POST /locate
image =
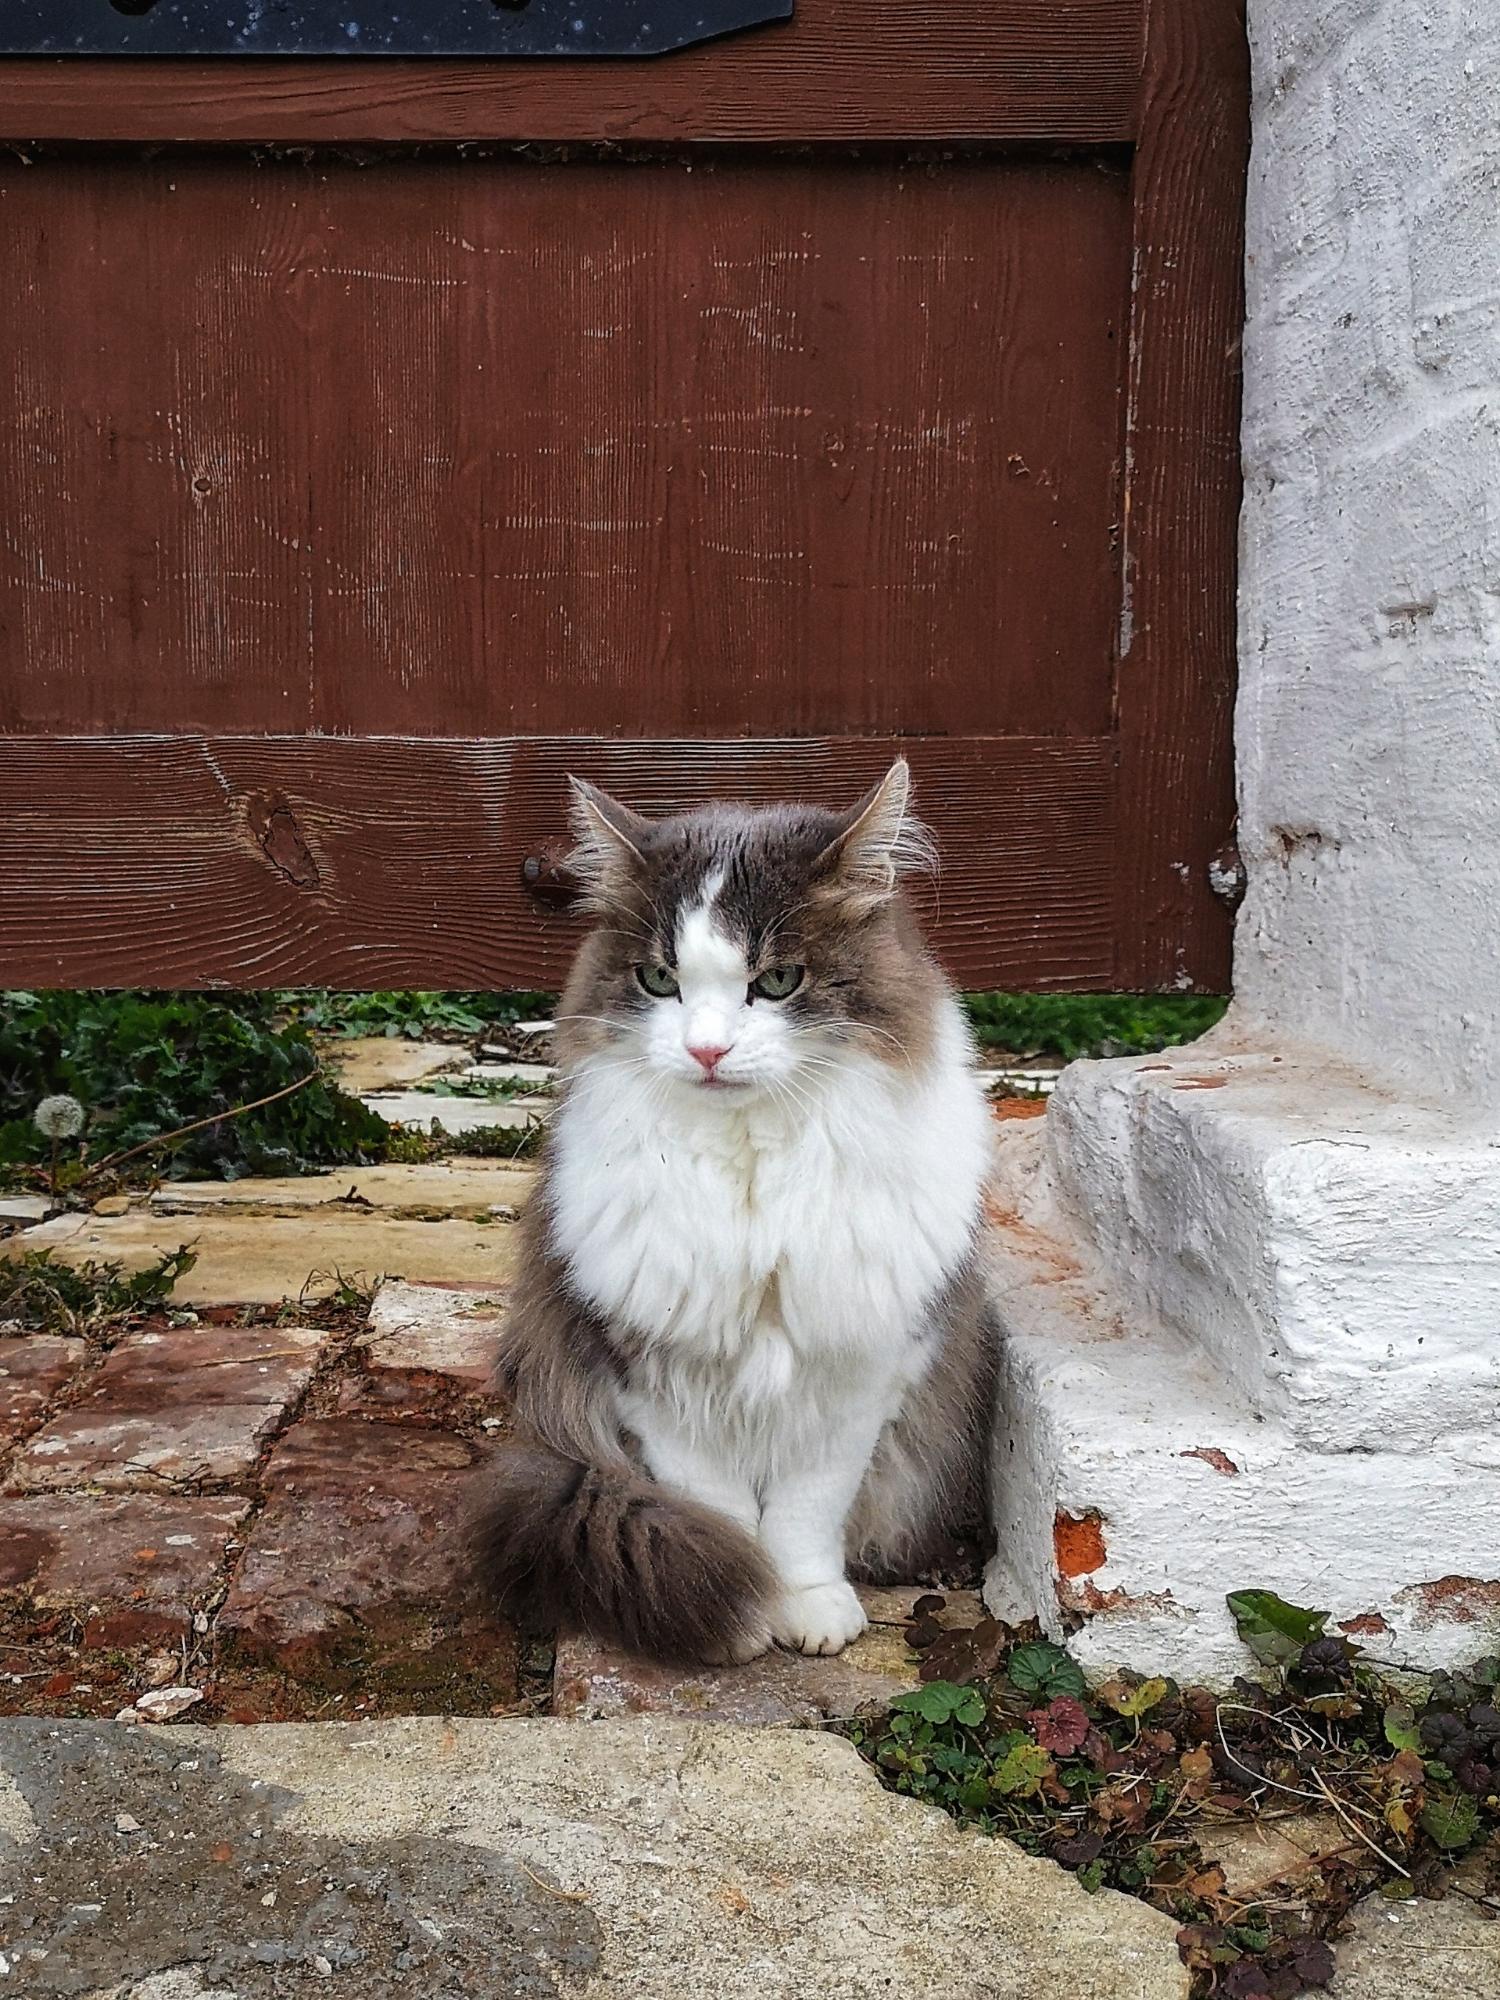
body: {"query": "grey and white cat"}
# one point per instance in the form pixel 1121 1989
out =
pixel 748 1338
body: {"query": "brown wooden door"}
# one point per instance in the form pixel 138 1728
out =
pixel 385 440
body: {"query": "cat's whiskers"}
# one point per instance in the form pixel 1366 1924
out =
pixel 604 1020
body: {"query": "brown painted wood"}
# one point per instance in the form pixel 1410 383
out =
pixel 1056 70
pixel 351 498
pixel 377 862
pixel 476 448
pixel 1175 679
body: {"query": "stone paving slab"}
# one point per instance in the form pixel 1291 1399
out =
pixel 33 1368
pixel 132 1568
pixel 470 1188
pixel 187 1407
pixel 593 1682
pixel 386 1062
pixel 506 1071
pixel 252 1259
pixel 435 1330
pixel 457 1114
pixel 24 1209
pixel 359 1558
pixel 509 1860
pixel 1419 1951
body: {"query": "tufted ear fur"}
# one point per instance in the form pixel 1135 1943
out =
pixel 879 841
pixel 607 839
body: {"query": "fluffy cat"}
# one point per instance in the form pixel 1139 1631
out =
pixel 748 1338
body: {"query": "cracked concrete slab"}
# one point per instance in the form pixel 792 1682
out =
pixel 651 1860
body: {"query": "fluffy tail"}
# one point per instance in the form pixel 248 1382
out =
pixel 604 1551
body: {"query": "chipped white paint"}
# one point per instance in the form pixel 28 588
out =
pixel 1251 1290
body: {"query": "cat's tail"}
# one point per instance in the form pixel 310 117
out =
pixel 603 1550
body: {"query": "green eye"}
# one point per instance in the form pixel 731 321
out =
pixel 777 982
pixel 660 981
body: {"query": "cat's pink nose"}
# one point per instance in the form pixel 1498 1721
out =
pixel 709 1058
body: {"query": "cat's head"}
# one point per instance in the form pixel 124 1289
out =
pixel 738 948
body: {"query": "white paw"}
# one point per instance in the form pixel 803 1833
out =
pixel 821 1618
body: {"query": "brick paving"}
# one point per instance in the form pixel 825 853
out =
pixel 259 1499
pixel 130 1571
pixel 32 1371
pixel 357 1562
pixel 185 1408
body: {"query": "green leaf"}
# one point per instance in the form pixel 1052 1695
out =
pixel 1451 1819
pixel 970 1711
pixel 1044 1669
pixel 1401 1730
pixel 940 1701
pixel 1022 1771
pixel 1135 1701
pixel 1274 1630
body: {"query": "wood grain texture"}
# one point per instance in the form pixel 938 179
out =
pixel 377 863
pixel 1063 70
pixel 1176 673
pixel 436 447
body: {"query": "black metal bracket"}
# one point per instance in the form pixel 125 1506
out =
pixel 373 27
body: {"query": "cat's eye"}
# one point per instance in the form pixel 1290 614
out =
pixel 660 981
pixel 777 982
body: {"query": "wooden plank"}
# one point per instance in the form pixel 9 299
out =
pixel 444 447
pixel 376 863
pixel 1063 70
pixel 1176 674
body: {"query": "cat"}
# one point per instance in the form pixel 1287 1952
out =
pixel 748 1350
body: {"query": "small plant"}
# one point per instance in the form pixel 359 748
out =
pixel 179 1066
pixel 57 1118
pixel 1069 1025
pixel 40 1295
pixel 494 1142
pixel 496 1089
pixel 418 1016
pixel 1130 1784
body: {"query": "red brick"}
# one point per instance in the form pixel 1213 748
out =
pixel 132 1568
pixel 359 1562
pixel 32 1370
pixel 183 1408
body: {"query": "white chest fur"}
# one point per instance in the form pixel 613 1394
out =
pixel 781 1234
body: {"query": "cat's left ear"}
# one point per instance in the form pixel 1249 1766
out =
pixel 607 835
pixel 880 840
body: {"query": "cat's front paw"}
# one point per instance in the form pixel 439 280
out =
pixel 820 1618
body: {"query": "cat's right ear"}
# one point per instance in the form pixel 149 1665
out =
pixel 607 836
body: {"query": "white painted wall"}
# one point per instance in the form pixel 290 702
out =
pixel 1250 1290
pixel 1369 719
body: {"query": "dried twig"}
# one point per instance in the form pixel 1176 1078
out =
pixel 1322 1794
pixel 199 1125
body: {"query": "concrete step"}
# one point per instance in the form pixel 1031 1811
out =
pixel 643 1860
